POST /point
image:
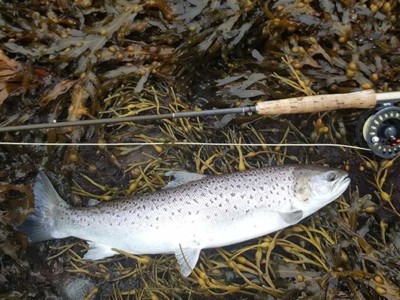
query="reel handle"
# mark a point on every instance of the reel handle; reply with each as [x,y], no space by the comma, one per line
[318,103]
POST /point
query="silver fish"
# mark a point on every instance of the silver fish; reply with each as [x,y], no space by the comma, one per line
[191,213]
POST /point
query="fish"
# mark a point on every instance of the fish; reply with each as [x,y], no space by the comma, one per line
[192,212]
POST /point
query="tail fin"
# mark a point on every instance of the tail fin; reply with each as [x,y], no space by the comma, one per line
[42,225]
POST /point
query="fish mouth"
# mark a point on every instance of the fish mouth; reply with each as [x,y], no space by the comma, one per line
[346,179]
[342,184]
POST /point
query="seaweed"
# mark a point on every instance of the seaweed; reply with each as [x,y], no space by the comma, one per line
[72,60]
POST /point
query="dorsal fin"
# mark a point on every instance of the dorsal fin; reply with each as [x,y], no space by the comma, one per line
[182,177]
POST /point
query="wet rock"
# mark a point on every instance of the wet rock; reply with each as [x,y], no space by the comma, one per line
[71,288]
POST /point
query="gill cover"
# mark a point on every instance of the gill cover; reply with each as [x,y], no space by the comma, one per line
[320,184]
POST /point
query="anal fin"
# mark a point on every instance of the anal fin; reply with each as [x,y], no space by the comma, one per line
[98,251]
[187,259]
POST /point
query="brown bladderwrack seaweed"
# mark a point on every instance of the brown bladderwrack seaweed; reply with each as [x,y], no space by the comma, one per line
[85,59]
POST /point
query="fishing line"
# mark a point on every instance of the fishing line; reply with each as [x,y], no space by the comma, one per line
[183,144]
[380,130]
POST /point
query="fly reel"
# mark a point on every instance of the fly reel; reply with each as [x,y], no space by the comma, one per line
[379,129]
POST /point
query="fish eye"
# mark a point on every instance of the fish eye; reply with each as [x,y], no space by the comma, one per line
[331,176]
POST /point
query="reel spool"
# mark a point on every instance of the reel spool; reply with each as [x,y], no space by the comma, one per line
[379,129]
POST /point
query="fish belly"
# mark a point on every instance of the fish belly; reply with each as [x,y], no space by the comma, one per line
[231,230]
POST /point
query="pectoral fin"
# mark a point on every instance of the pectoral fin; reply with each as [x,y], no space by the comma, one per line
[182,177]
[187,259]
[98,251]
[292,217]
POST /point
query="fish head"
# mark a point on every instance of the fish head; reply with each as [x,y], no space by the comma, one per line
[316,187]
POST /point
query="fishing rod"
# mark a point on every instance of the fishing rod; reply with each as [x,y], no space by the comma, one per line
[378,128]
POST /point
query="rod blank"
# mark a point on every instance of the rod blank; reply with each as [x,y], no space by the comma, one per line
[177,115]
[308,104]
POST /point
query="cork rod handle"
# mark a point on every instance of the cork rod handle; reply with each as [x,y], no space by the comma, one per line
[318,103]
